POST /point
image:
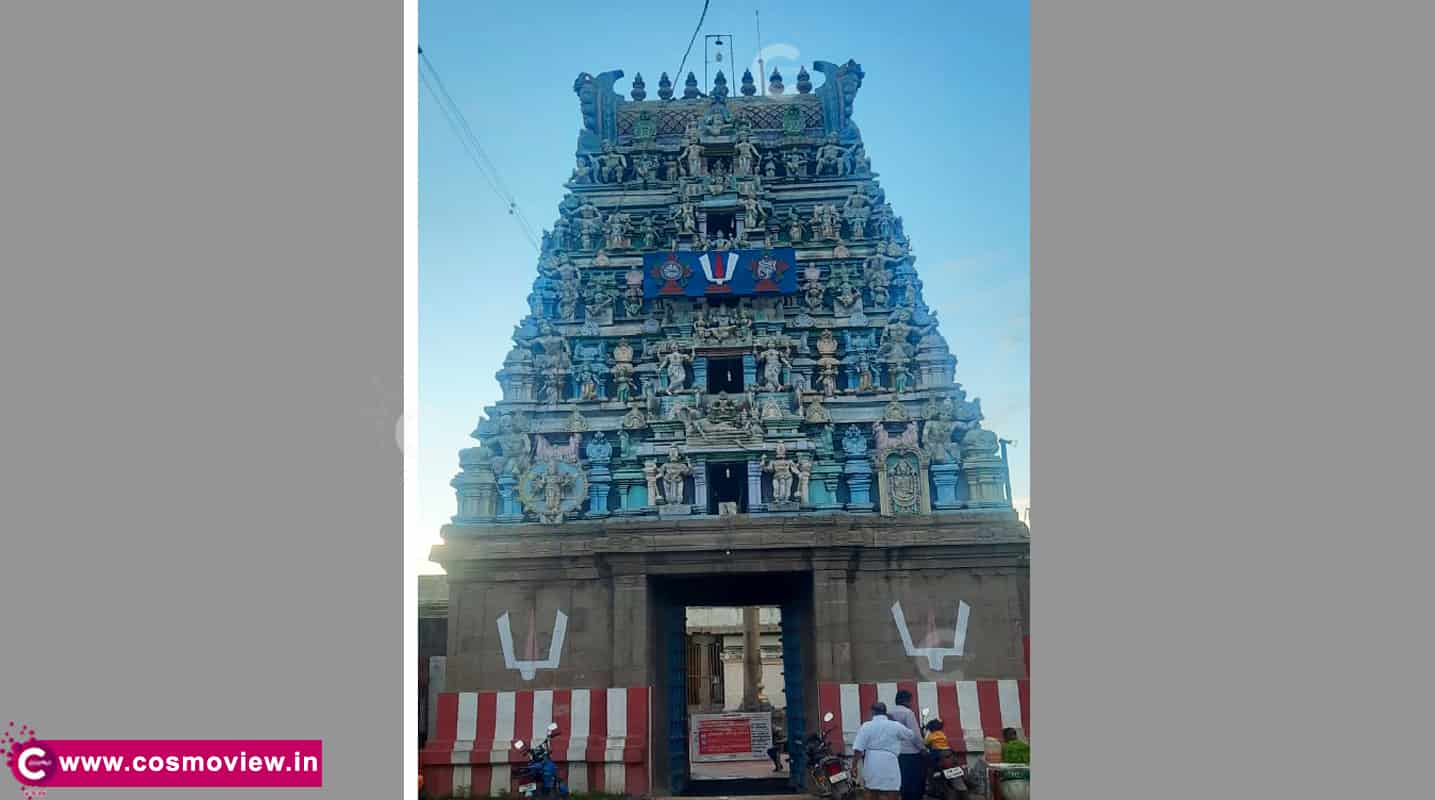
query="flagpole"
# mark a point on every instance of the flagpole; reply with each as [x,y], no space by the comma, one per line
[761,65]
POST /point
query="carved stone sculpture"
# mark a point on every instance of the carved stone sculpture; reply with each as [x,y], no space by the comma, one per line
[774,361]
[874,269]
[590,225]
[783,470]
[553,483]
[674,363]
[514,446]
[831,158]
[804,478]
[827,363]
[635,419]
[794,226]
[622,370]
[650,475]
[855,210]
[617,231]
[692,157]
[673,473]
[937,439]
[756,217]
[746,156]
[847,301]
[817,414]
[685,217]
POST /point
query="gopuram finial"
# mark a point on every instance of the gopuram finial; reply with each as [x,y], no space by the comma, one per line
[665,87]
[774,85]
[748,87]
[639,90]
[690,88]
[804,81]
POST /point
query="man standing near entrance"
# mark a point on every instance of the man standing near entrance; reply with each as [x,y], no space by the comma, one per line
[877,744]
[909,758]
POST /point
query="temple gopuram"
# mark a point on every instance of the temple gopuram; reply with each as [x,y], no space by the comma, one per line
[727,391]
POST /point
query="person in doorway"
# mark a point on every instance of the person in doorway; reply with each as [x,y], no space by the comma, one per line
[1014,750]
[876,748]
[779,739]
[910,759]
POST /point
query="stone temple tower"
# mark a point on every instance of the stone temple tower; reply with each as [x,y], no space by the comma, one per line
[727,389]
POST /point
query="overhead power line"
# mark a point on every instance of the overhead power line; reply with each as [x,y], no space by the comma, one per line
[460,127]
[678,76]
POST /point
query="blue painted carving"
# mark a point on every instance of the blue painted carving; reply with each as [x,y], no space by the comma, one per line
[854,444]
[599,106]
[858,470]
[754,486]
[944,478]
[599,451]
[837,94]
[590,371]
[509,507]
[822,491]
[474,486]
[553,488]
[822,440]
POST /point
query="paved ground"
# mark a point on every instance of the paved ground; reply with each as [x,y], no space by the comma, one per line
[748,797]
[734,769]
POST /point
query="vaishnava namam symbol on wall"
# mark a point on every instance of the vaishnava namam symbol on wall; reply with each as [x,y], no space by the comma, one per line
[529,669]
[934,655]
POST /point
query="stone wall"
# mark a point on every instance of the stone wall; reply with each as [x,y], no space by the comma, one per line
[475,649]
[838,574]
[859,566]
[929,594]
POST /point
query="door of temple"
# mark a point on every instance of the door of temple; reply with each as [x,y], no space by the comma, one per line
[706,691]
[687,673]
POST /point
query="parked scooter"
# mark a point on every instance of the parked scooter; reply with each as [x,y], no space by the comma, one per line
[539,777]
[946,779]
[828,771]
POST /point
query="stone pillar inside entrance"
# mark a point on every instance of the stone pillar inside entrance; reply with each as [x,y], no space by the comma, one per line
[751,657]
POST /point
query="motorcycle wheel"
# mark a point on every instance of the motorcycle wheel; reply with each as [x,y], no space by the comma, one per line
[820,785]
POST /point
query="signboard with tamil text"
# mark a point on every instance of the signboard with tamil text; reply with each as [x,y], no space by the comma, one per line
[729,737]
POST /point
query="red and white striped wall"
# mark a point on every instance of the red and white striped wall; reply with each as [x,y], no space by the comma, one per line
[969,710]
[601,746]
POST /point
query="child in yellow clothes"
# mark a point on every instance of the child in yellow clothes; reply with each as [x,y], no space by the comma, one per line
[936,738]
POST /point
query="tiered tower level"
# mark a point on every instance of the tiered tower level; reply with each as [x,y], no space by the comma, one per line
[727,319]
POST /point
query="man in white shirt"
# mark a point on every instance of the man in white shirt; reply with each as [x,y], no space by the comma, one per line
[878,742]
[910,757]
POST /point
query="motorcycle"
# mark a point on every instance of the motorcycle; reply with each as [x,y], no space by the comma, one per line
[828,772]
[539,777]
[946,780]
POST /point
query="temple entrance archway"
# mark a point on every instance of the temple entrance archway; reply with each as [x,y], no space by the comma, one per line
[792,594]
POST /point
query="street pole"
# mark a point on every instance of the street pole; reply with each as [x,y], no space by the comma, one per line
[1006,467]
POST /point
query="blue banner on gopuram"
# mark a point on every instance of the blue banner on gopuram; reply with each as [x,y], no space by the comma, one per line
[725,273]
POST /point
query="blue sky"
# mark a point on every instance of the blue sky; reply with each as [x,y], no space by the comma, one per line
[944,113]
